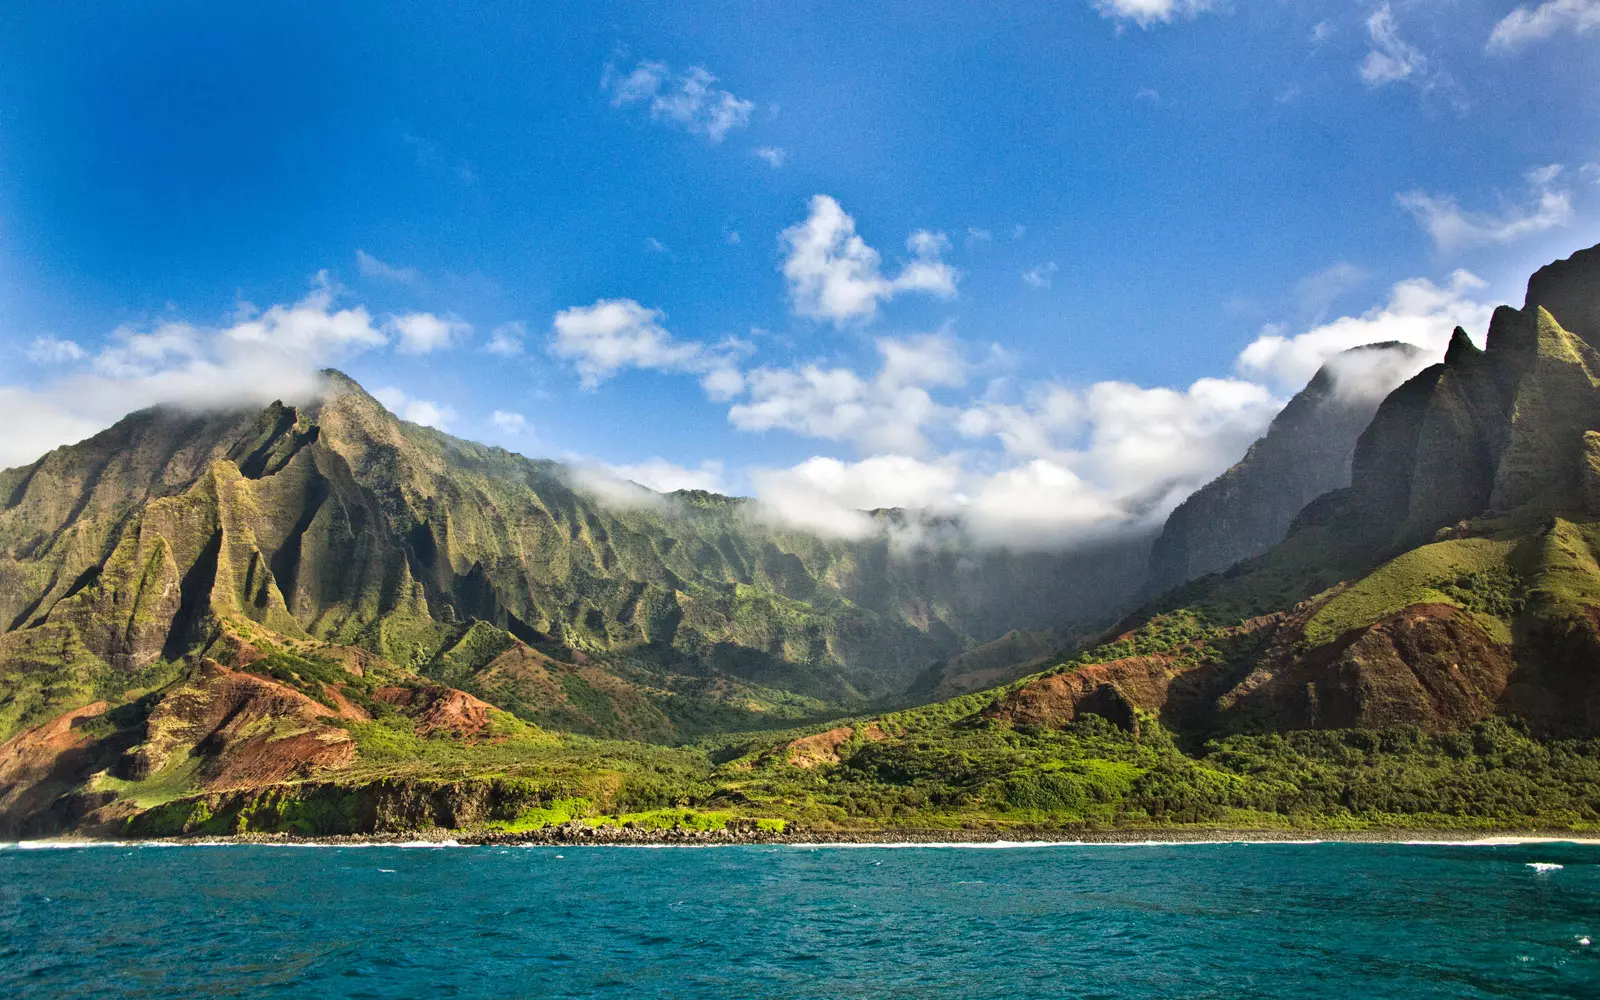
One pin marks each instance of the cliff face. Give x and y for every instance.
(1307, 452)
(1456, 577)
(173, 535)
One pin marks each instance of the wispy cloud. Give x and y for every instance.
(506, 339)
(1039, 275)
(1547, 206)
(691, 100)
(372, 267)
(1526, 25)
(774, 156)
(1391, 58)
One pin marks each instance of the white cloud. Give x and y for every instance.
(663, 476)
(1039, 276)
(690, 100)
(51, 351)
(1418, 312)
(655, 246)
(614, 334)
(419, 411)
(260, 357)
(508, 422)
(1526, 25)
(1315, 293)
(723, 383)
(834, 275)
(506, 339)
(773, 155)
(829, 496)
(372, 267)
(885, 413)
(1144, 13)
(424, 333)
(1391, 58)
(1452, 227)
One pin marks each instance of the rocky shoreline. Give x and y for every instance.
(577, 834)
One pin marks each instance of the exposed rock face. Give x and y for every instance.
(335, 521)
(242, 729)
(1114, 690)
(1307, 452)
(1570, 290)
(823, 748)
(1430, 665)
(1491, 430)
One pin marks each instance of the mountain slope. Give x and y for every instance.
(1306, 452)
(173, 535)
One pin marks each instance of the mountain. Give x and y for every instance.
(1454, 579)
(175, 534)
(321, 620)
(1306, 452)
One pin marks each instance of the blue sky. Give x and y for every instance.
(1098, 243)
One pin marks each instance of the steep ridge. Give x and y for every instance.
(173, 534)
(338, 586)
(1453, 579)
(1306, 452)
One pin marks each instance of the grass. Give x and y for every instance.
(1450, 572)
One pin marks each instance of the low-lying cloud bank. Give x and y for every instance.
(936, 424)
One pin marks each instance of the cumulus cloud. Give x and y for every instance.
(773, 155)
(372, 267)
(508, 422)
(424, 333)
(506, 340)
(1526, 25)
(1144, 13)
(885, 412)
(613, 334)
(834, 275)
(1418, 312)
(419, 411)
(1548, 206)
(690, 100)
(260, 356)
(1077, 464)
(1391, 58)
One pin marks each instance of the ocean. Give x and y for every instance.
(1225, 920)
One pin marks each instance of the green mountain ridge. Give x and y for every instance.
(324, 621)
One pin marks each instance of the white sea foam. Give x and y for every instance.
(1545, 866)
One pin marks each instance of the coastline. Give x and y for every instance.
(616, 837)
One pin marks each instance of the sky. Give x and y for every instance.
(1050, 267)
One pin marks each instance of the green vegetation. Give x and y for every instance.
(1471, 573)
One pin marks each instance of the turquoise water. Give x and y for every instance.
(1211, 920)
